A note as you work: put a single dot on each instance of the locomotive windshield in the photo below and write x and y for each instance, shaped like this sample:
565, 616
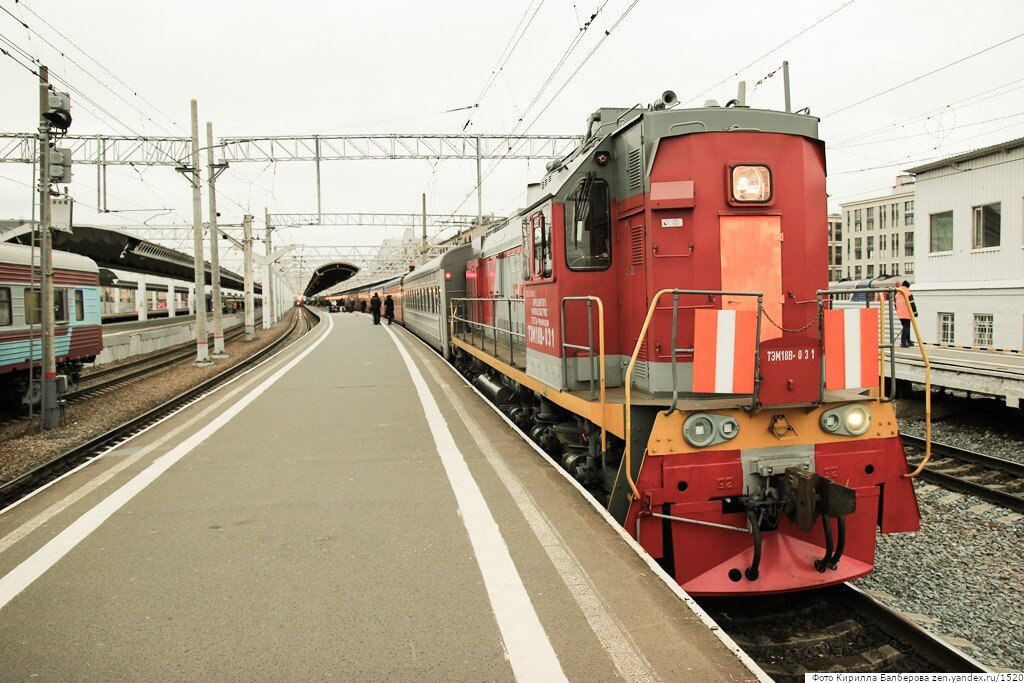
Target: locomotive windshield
587, 226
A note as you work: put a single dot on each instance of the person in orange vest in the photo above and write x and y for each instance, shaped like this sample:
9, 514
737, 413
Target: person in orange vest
905, 313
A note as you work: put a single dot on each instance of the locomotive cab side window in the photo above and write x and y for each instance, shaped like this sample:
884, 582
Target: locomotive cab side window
541, 230
80, 305
588, 226
6, 313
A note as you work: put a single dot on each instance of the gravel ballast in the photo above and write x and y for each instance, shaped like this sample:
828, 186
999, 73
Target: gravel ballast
962, 572
23, 446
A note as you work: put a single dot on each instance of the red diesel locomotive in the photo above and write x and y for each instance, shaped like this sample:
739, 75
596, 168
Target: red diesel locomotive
656, 320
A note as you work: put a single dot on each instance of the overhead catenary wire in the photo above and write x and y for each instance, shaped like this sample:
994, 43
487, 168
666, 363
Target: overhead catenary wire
579, 67
87, 72
963, 102
924, 75
912, 160
21, 3
771, 51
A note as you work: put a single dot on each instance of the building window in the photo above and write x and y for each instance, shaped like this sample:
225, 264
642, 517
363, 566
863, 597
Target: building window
986, 226
895, 269
857, 224
871, 217
908, 244
871, 271
908, 268
941, 232
896, 244
6, 313
839, 232
856, 248
946, 330
871, 247
908, 220
856, 272
882, 215
881, 245
982, 329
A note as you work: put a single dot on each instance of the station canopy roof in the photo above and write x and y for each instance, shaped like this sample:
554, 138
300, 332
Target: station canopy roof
120, 251
328, 275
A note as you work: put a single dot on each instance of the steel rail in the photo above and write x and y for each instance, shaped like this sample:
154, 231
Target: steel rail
174, 353
805, 626
20, 486
966, 484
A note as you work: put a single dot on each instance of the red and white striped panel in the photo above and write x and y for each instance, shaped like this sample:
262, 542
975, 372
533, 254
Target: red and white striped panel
724, 344
851, 348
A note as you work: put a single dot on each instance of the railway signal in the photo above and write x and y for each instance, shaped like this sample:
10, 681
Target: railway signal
54, 167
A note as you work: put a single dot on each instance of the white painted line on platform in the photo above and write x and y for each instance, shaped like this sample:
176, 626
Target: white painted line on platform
600, 510
22, 576
628, 660
527, 645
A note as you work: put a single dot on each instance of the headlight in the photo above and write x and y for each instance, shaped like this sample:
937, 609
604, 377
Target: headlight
857, 420
751, 183
850, 420
708, 429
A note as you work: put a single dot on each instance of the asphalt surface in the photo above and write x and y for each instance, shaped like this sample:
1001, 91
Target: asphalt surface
992, 361
316, 534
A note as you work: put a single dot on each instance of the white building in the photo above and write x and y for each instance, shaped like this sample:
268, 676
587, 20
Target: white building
879, 234
835, 247
970, 260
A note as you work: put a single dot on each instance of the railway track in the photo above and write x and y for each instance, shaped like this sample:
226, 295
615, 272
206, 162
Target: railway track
102, 380
14, 489
834, 629
994, 480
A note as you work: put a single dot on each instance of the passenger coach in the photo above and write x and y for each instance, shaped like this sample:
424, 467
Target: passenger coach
78, 332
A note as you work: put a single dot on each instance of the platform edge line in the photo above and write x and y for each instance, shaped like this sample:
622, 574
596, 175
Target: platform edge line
683, 596
527, 646
42, 560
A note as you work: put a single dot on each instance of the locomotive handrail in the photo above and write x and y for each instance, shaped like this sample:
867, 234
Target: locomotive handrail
590, 351
628, 377
473, 324
892, 346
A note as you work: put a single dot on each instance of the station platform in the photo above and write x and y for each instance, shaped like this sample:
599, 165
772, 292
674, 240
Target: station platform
993, 373
348, 509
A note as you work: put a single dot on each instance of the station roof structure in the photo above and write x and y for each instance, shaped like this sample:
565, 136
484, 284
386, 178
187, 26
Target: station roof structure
329, 275
119, 251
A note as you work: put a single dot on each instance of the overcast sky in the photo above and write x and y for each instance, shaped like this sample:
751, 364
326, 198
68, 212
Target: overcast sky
302, 66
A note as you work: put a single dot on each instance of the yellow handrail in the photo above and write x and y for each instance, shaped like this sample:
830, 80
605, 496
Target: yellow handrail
627, 382
600, 360
881, 347
927, 389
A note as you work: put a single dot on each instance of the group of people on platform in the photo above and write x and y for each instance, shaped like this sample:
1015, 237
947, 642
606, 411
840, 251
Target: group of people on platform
375, 306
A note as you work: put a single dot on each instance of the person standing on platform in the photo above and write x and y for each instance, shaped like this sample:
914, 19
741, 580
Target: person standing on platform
389, 309
905, 313
375, 308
